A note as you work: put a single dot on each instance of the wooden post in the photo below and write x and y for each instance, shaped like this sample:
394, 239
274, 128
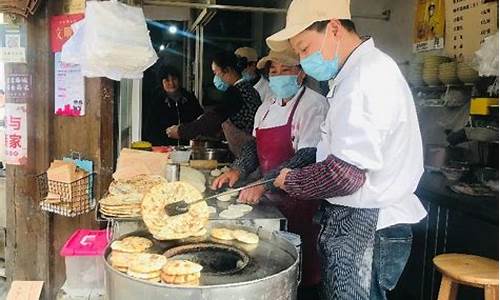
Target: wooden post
34, 238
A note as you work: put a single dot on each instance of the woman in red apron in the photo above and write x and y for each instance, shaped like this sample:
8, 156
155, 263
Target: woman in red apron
286, 130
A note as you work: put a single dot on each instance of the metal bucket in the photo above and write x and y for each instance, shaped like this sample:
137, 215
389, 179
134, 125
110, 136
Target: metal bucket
271, 273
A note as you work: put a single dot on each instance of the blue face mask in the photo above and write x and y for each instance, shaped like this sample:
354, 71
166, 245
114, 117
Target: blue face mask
316, 66
284, 86
247, 76
220, 84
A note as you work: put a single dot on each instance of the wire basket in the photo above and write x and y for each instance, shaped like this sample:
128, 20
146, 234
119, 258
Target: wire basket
74, 199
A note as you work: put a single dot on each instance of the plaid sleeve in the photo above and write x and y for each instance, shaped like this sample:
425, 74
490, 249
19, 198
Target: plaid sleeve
303, 157
330, 178
248, 160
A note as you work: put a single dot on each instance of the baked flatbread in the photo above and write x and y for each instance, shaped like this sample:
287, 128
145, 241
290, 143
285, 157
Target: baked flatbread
164, 227
246, 237
222, 234
132, 244
147, 263
140, 184
180, 279
181, 267
151, 275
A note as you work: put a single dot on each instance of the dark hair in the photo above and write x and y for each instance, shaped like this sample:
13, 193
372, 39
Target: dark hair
228, 60
167, 71
320, 26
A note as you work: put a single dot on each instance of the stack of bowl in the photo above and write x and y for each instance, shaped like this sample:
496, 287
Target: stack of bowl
431, 69
415, 74
448, 73
466, 73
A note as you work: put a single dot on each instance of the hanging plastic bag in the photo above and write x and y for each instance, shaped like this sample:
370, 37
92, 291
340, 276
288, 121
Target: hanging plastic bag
113, 41
72, 50
486, 58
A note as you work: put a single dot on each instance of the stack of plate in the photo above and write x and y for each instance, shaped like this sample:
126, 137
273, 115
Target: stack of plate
448, 73
415, 74
466, 73
430, 72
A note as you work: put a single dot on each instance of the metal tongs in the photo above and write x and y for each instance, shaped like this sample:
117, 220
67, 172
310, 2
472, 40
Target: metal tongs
182, 207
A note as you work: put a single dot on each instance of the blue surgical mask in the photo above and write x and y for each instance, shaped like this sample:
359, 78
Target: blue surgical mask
247, 76
284, 86
316, 66
220, 84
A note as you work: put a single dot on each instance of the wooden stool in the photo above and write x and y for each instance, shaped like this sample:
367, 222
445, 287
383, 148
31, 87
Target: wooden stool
468, 270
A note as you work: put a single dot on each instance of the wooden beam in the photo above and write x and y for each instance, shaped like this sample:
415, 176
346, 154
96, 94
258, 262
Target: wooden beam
28, 243
34, 238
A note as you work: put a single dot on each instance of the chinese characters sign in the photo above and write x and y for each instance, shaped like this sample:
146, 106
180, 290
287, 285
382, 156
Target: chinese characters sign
429, 25
16, 133
468, 23
69, 89
60, 30
18, 87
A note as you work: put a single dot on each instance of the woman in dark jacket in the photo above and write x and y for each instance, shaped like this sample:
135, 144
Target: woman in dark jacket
174, 106
235, 113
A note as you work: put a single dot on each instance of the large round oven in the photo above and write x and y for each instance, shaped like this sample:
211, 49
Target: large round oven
231, 270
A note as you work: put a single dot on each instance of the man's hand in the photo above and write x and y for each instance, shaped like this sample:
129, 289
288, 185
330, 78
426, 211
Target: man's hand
173, 132
252, 195
280, 180
230, 177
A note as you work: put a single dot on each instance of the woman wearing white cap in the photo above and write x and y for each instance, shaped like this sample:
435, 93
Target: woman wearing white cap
369, 157
251, 74
286, 131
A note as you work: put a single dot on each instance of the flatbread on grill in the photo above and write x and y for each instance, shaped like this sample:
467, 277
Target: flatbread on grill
181, 267
246, 237
132, 244
222, 234
165, 227
150, 275
147, 263
180, 279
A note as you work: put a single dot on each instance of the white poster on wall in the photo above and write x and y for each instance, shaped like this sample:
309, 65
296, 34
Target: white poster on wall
16, 134
69, 89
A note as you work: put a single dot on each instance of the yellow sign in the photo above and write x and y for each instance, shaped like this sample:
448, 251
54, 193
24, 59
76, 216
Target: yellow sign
429, 25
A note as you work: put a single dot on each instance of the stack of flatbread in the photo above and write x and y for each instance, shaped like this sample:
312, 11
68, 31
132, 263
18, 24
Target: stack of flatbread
137, 162
123, 252
165, 227
125, 196
181, 272
147, 267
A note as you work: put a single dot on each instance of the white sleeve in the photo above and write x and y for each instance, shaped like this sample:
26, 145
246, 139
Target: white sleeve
357, 130
309, 122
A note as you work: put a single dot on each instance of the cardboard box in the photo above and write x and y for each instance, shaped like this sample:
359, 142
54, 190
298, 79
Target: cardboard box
25, 290
468, 23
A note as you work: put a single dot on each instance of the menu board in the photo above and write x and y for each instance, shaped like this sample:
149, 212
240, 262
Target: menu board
69, 89
469, 22
429, 25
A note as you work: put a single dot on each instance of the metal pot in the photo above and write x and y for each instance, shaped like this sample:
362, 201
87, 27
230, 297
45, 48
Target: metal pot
270, 272
218, 154
204, 144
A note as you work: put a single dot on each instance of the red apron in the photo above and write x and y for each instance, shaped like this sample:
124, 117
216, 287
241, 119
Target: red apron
274, 147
